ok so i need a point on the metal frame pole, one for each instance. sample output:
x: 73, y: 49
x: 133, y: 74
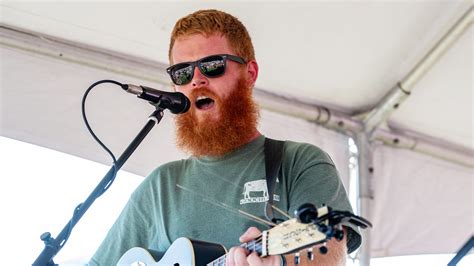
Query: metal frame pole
x: 365, y: 192
x: 380, y: 113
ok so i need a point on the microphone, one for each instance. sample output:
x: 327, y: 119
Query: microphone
x: 176, y: 102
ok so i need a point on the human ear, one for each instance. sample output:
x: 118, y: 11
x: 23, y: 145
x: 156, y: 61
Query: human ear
x: 252, y: 73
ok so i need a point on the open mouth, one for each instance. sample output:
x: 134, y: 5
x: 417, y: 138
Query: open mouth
x: 204, y: 103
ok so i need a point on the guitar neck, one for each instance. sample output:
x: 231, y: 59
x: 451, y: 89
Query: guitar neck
x: 294, y: 235
x: 251, y: 246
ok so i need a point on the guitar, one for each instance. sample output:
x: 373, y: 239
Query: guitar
x: 311, y: 227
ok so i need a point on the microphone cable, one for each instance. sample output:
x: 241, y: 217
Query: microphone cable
x: 114, y: 165
x: 84, y: 117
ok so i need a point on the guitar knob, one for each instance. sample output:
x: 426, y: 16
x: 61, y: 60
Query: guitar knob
x: 323, y: 250
x: 306, y: 213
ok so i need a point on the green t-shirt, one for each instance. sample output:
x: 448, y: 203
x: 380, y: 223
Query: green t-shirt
x: 198, y: 198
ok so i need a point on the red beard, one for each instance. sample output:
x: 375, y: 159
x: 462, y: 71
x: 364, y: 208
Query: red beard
x: 237, y: 123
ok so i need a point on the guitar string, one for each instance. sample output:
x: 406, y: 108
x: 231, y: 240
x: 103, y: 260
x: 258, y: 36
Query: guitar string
x: 227, y: 207
x: 281, y: 212
x: 273, y: 206
x: 257, y: 243
x: 257, y: 246
x: 222, y: 259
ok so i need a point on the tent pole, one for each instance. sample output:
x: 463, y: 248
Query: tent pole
x: 379, y: 115
x: 440, y: 48
x: 364, y: 191
x: 397, y: 95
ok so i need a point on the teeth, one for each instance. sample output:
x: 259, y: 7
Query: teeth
x: 201, y: 98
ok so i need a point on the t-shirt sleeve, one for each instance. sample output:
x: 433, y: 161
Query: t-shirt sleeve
x: 131, y: 229
x: 315, y: 180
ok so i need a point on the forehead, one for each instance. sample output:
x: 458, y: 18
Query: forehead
x: 197, y: 46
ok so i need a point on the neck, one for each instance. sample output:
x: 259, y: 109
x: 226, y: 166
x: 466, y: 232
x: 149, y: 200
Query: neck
x: 254, y: 136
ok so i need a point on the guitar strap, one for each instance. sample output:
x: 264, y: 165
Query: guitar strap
x: 273, y: 150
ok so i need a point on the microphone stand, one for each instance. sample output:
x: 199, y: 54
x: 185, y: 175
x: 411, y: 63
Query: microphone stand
x: 462, y: 252
x: 54, y: 245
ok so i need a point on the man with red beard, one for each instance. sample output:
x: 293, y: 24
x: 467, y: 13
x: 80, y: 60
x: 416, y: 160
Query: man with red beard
x: 213, y: 64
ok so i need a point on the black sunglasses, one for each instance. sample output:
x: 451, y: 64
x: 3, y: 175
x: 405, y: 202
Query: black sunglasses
x: 210, y: 66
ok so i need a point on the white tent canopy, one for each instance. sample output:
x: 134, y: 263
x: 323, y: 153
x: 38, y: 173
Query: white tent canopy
x: 323, y: 66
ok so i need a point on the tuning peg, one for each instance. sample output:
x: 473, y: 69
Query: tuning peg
x: 339, y: 234
x: 323, y: 228
x: 306, y: 213
x: 323, y: 249
x: 297, y: 258
x: 310, y: 254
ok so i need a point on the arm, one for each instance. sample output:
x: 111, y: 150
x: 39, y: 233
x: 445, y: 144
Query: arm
x: 133, y: 228
x: 127, y: 232
x: 314, y: 179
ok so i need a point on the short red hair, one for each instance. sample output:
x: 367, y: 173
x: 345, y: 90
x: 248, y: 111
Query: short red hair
x: 208, y: 22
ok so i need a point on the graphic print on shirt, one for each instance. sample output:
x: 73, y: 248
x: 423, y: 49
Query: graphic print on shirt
x: 256, y: 192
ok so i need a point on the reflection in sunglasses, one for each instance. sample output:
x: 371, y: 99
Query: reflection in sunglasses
x: 210, y: 66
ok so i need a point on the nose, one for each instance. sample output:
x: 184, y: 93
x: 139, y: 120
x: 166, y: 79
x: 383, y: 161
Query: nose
x: 199, y: 80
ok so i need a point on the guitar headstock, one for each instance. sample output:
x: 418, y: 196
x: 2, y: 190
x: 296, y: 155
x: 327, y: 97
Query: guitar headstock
x: 292, y: 235
x: 311, y: 227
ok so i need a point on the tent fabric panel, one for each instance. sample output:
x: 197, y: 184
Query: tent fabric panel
x: 421, y: 205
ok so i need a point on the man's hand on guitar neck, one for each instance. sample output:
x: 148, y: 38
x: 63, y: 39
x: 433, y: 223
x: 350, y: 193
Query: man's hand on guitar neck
x: 239, y: 256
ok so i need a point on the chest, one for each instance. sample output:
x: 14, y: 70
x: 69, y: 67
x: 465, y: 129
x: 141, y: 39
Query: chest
x: 208, y: 203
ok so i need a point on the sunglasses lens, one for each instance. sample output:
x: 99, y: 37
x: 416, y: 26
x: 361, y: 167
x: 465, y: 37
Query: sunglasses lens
x: 182, y: 74
x: 212, y: 66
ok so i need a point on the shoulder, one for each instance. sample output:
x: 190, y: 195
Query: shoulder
x: 300, y: 151
x: 170, y: 167
x: 309, y: 163
x: 163, y: 174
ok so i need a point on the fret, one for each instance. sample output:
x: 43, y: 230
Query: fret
x: 218, y: 262
x: 252, y: 246
x: 222, y: 260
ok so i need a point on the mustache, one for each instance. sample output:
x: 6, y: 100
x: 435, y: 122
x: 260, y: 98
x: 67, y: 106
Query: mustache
x: 206, y: 92
x: 237, y: 120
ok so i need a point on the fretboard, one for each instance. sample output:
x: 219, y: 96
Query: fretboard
x: 252, y: 246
